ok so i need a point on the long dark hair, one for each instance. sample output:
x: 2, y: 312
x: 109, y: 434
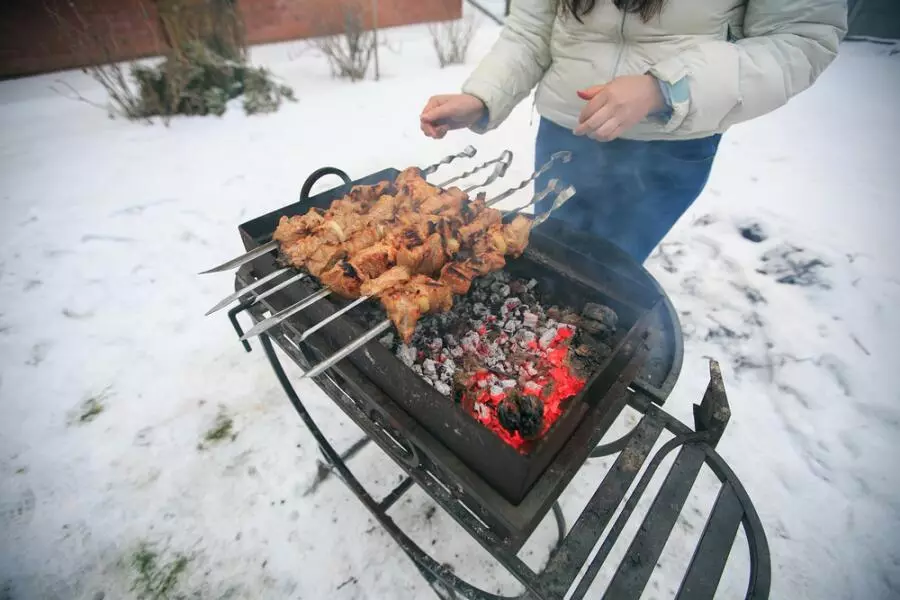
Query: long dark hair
x: 646, y: 8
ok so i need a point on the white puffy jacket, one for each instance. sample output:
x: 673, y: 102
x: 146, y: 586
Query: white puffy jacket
x: 725, y: 61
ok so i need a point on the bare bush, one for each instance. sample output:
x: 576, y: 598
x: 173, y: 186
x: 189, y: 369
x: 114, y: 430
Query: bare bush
x: 205, y: 64
x: 350, y: 53
x: 99, y: 47
x: 451, y: 40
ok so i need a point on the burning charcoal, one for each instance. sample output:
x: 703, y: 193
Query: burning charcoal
x: 442, y: 387
x: 553, y: 313
x: 603, y: 314
x: 511, y: 326
x: 429, y: 367
x: 547, y: 337
x: 509, y: 305
x: 531, y: 389
x: 529, y: 320
x: 508, y: 414
x: 517, y: 287
x: 499, y: 288
x: 449, y: 365
x: 595, y: 327
x: 531, y: 416
x: 508, y: 384
x: 450, y: 340
x: 435, y: 345
x: 570, y: 318
x: 407, y: 355
x: 480, y: 309
x: 525, y: 337
x: 531, y: 283
x: 418, y: 370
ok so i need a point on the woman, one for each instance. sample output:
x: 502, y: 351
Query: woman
x: 641, y: 91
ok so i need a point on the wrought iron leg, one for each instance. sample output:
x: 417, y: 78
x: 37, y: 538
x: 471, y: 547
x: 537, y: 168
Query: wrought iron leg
x: 560, y: 523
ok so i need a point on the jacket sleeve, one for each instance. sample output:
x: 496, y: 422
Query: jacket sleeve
x: 784, y: 47
x: 516, y: 62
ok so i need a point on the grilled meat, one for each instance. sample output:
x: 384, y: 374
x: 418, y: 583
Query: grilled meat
x: 406, y: 302
x: 358, y: 201
x: 388, y: 279
x: 425, y: 257
x: 516, y: 235
x: 413, y: 248
x: 343, y: 279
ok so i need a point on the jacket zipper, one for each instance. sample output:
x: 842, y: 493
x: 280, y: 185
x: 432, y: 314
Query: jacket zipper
x: 621, y: 47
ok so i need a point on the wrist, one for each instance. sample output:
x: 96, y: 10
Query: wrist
x: 660, y: 101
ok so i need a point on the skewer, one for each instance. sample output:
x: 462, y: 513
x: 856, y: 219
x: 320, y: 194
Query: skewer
x: 505, y: 157
x: 288, y: 312
x: 563, y: 156
x: 348, y: 349
x: 499, y: 171
x: 308, y: 301
x: 229, y: 299
x: 503, y: 161
x: 468, y: 152
x: 373, y: 333
x: 551, y: 186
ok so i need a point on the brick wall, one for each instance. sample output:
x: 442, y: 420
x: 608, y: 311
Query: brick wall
x: 38, y: 36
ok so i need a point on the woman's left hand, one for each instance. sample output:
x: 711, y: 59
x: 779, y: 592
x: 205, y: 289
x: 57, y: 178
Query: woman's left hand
x: 618, y: 106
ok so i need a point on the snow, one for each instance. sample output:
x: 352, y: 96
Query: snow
x: 105, y: 224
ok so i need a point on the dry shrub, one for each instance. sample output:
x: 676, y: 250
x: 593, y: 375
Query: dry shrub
x: 97, y: 44
x: 204, y: 66
x: 350, y: 53
x: 198, y: 81
x: 451, y: 40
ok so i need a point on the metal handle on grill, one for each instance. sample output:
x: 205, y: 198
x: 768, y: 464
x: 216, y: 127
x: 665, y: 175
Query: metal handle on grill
x: 318, y: 174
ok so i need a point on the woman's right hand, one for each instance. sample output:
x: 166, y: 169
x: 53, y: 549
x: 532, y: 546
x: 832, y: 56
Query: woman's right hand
x: 451, y: 111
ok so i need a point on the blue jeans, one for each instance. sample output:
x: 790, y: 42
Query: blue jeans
x: 628, y: 192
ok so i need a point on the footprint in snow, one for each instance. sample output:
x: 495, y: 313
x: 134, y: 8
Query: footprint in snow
x: 19, y: 510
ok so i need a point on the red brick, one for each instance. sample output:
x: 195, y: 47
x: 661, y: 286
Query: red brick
x: 31, y: 41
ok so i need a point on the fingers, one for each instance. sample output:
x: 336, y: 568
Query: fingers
x: 439, y: 108
x: 590, y: 92
x: 596, y: 120
x: 595, y: 104
x: 609, y: 131
x: 433, y: 130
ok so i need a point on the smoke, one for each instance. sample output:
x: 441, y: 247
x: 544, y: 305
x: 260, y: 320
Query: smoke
x: 628, y: 192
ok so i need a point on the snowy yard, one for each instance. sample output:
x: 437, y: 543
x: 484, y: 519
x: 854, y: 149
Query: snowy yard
x: 128, y: 419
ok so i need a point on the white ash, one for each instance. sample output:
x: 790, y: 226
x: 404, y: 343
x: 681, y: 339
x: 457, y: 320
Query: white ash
x: 443, y: 388
x: 499, y: 326
x: 407, y: 354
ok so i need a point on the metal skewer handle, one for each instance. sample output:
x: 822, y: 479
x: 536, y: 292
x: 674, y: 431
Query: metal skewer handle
x: 505, y: 157
x: 563, y: 156
x: 468, y: 152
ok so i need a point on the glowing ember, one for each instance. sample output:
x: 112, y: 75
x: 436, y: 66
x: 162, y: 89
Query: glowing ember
x: 505, y: 357
x: 554, y: 383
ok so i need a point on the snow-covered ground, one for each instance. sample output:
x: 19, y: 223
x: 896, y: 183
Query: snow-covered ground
x: 111, y: 378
